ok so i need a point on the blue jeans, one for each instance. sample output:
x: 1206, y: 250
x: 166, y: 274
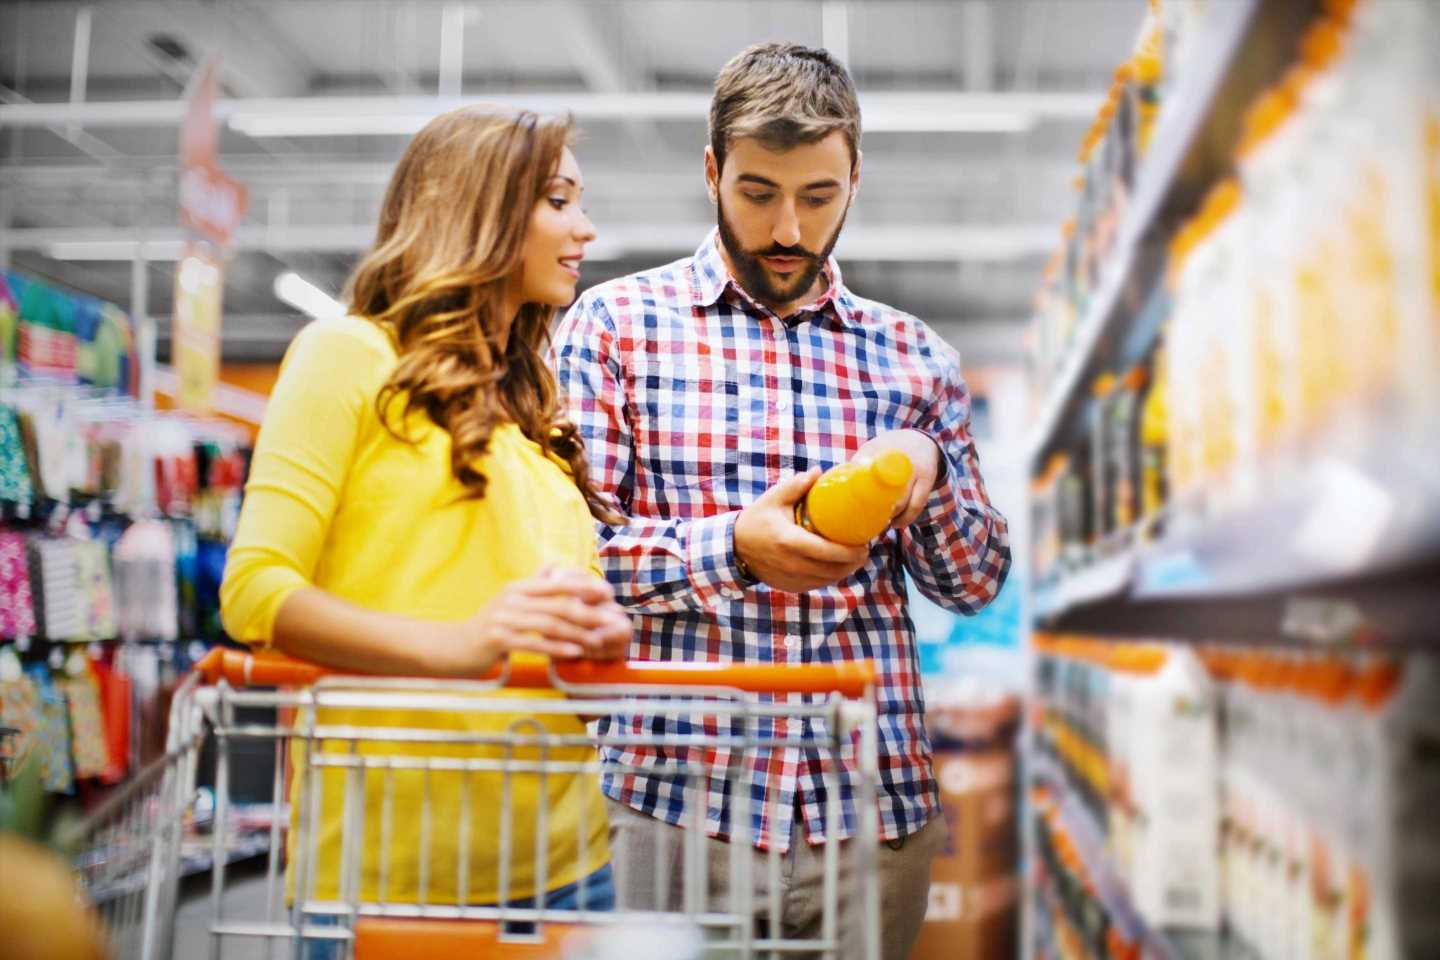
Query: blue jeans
x: 594, y: 892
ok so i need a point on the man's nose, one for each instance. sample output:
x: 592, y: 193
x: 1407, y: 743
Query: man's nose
x: 786, y: 231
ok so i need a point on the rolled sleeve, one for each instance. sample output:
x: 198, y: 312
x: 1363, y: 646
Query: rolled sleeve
x: 958, y: 549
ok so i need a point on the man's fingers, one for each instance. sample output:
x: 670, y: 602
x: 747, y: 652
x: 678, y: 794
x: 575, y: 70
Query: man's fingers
x: 792, y: 490
x: 816, y: 549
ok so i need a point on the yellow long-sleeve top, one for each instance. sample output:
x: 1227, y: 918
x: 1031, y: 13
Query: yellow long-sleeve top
x: 336, y: 501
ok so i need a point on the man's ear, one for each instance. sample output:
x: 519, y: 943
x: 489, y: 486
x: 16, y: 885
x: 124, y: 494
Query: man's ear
x: 855, y: 176
x: 712, y: 175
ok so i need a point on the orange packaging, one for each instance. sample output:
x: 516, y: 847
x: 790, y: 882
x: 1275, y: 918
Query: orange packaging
x: 854, y: 502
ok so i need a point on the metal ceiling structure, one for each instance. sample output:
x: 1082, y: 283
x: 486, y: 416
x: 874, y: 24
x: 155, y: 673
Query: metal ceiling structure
x: 973, y: 110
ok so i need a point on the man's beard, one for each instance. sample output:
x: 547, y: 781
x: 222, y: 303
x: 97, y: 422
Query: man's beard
x: 752, y: 274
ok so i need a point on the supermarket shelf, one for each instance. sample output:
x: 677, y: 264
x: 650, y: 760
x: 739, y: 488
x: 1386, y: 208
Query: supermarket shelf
x: 1246, y: 48
x: 1160, y: 944
x: 1089, y: 839
x: 195, y: 858
x: 1345, y: 549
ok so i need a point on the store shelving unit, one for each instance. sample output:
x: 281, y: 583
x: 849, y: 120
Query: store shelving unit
x: 196, y: 857
x: 1272, y: 568
x: 1246, y: 48
x: 1340, y: 551
x: 1275, y: 570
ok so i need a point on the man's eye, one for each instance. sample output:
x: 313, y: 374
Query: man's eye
x: 759, y: 197
x: 816, y: 201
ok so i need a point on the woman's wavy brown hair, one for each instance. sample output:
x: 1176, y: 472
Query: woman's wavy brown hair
x: 451, y: 238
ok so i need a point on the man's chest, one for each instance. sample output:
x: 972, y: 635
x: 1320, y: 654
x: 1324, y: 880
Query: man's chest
x: 722, y: 408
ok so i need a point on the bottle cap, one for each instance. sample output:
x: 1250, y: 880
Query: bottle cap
x: 891, y: 469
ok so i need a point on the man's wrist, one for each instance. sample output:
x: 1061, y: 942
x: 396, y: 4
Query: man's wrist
x: 942, y: 464
x: 747, y: 576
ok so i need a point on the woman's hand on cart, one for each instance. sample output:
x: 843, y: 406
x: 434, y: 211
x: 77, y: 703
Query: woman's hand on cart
x: 562, y: 613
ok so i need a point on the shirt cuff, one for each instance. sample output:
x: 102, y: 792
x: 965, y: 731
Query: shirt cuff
x: 942, y: 462
x: 710, y: 560
x: 943, y: 505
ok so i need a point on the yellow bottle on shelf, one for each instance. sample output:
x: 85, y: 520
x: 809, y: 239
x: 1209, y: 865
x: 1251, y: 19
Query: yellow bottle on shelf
x: 852, y: 503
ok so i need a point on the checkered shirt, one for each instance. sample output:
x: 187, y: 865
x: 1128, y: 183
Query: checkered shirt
x: 693, y: 399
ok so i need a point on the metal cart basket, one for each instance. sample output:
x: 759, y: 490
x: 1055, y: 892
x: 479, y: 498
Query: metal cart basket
x: 360, y: 762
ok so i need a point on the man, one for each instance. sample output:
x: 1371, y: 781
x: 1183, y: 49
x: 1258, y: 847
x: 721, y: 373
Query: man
x: 709, y: 393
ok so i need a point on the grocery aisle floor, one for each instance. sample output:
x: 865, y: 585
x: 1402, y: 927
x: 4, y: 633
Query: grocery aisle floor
x: 244, y: 896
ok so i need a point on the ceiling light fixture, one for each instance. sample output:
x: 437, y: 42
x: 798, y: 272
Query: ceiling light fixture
x: 97, y: 250
x: 304, y: 296
x: 920, y: 111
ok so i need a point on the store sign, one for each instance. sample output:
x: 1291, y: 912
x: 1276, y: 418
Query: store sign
x: 212, y: 204
x: 199, y: 287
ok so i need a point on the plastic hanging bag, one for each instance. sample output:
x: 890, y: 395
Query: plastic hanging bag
x: 87, y: 725
x: 17, y: 603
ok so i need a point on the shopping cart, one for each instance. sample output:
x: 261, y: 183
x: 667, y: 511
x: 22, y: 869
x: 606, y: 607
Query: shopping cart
x: 138, y: 845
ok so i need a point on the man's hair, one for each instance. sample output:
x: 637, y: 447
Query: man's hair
x: 783, y: 95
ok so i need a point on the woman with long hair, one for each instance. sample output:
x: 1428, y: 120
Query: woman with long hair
x: 418, y: 506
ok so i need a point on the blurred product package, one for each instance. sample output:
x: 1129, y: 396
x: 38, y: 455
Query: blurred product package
x: 974, y: 889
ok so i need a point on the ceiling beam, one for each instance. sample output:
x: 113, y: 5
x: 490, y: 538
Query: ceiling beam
x: 606, y: 68
x: 977, y: 43
x: 913, y: 242
x: 320, y: 116
x: 953, y: 174
x: 257, y: 59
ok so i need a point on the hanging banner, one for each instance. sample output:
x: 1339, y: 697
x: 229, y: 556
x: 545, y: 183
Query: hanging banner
x: 195, y: 344
x: 212, y: 204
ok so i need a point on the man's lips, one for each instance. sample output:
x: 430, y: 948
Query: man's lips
x: 784, y: 264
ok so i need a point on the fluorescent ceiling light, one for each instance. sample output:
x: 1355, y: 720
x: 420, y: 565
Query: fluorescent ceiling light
x: 336, y: 125
x: 918, y: 111
x: 115, y: 250
x: 306, y: 297
x: 921, y: 121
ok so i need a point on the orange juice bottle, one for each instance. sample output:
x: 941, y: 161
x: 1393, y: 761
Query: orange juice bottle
x: 852, y: 503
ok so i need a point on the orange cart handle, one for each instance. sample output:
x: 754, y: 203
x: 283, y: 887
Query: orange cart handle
x: 240, y: 668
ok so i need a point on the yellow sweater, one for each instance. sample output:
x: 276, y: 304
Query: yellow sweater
x: 335, y: 501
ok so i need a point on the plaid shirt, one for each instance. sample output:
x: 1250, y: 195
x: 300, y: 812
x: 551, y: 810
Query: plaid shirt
x: 692, y: 400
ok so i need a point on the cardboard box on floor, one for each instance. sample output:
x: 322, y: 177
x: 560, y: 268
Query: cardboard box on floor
x: 972, y: 913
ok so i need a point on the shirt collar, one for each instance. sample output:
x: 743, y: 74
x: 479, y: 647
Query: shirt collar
x: 712, y: 277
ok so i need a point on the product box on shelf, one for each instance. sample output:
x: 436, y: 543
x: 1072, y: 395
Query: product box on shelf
x: 972, y: 910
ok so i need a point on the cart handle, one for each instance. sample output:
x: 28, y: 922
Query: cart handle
x: 240, y: 668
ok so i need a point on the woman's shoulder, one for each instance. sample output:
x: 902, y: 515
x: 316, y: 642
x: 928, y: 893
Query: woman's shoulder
x: 348, y: 330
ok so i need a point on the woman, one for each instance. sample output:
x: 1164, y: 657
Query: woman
x: 418, y: 506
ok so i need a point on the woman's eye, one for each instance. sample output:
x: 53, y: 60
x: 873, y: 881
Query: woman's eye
x: 559, y: 202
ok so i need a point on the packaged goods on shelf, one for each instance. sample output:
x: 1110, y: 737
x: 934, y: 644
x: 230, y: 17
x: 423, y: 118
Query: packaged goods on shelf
x: 1301, y: 338
x: 1292, y: 792
x: 1314, y: 316
x: 63, y: 336
x: 1328, y: 845
x: 1131, y: 729
x: 1111, y: 155
x: 113, y: 526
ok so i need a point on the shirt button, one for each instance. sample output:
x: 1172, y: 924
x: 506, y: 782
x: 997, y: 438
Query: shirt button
x: 782, y: 404
x: 792, y: 642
